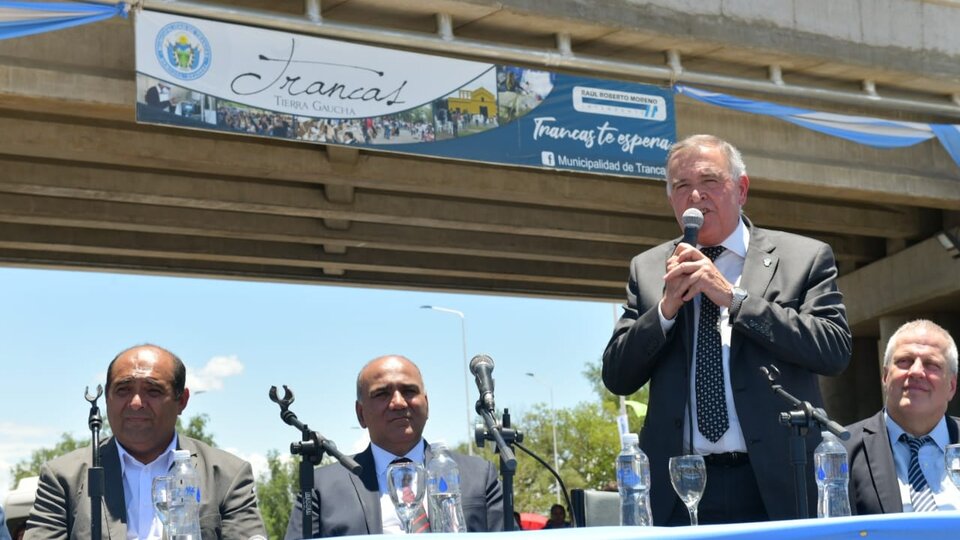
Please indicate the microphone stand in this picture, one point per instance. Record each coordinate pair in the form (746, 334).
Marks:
(504, 437)
(803, 416)
(95, 472)
(311, 448)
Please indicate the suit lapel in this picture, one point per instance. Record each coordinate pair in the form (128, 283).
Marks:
(114, 502)
(876, 446)
(368, 491)
(759, 267)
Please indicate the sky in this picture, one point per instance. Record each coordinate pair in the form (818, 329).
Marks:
(60, 329)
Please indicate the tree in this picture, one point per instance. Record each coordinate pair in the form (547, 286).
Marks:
(636, 402)
(277, 489)
(587, 443)
(31, 467)
(196, 428)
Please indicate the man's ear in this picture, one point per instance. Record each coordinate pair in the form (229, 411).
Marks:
(359, 410)
(184, 398)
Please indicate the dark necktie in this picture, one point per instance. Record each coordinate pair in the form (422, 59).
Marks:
(712, 420)
(920, 495)
(419, 523)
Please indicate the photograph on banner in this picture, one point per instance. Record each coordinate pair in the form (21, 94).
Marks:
(210, 75)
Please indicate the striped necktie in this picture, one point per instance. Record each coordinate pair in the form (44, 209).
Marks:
(712, 419)
(420, 523)
(921, 497)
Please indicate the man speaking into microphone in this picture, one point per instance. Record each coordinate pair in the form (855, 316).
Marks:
(702, 316)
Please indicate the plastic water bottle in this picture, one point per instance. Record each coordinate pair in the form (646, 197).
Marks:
(830, 464)
(633, 479)
(443, 491)
(184, 517)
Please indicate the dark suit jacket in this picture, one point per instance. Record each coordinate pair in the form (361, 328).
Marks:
(873, 487)
(793, 318)
(346, 504)
(228, 503)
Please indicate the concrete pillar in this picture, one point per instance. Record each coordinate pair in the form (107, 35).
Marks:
(854, 394)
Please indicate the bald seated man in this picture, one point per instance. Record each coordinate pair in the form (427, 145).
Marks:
(146, 392)
(392, 406)
(919, 380)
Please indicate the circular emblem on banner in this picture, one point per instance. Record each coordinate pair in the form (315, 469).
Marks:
(183, 51)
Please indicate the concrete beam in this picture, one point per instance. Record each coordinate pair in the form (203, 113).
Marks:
(116, 216)
(230, 251)
(922, 273)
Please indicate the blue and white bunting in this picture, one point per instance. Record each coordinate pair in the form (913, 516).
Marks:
(18, 19)
(875, 132)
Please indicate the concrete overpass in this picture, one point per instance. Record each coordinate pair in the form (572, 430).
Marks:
(83, 186)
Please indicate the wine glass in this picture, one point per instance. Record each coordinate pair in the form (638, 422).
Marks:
(406, 484)
(688, 474)
(951, 459)
(162, 492)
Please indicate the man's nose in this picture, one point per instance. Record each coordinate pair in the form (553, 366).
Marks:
(135, 402)
(695, 195)
(916, 368)
(397, 401)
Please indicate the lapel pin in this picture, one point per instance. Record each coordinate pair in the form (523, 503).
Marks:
(767, 261)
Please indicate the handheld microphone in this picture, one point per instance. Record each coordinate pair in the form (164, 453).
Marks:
(692, 221)
(482, 367)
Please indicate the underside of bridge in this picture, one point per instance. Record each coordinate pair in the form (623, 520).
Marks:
(82, 185)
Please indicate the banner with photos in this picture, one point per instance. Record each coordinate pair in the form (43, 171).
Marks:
(211, 75)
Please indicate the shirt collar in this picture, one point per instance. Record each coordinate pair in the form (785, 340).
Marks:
(126, 458)
(382, 458)
(939, 433)
(738, 240)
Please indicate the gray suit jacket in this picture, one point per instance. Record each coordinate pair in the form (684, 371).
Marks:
(793, 318)
(874, 488)
(228, 503)
(346, 504)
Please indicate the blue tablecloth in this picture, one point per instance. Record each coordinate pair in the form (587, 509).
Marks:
(928, 526)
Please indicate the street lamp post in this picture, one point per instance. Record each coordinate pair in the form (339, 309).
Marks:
(553, 411)
(466, 383)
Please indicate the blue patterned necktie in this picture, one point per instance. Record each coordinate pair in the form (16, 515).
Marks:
(921, 497)
(712, 419)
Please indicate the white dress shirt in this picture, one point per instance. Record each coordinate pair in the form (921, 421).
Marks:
(142, 521)
(946, 495)
(381, 459)
(730, 264)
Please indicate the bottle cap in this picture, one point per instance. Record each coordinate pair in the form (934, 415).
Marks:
(631, 438)
(179, 455)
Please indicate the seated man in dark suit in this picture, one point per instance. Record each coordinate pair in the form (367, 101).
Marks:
(392, 406)
(896, 455)
(145, 394)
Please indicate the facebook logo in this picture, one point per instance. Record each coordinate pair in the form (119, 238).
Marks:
(547, 158)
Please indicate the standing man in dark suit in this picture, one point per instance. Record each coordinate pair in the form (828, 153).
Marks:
(145, 394)
(699, 323)
(392, 406)
(896, 455)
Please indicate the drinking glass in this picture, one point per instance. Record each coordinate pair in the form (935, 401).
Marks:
(162, 491)
(406, 484)
(951, 458)
(688, 474)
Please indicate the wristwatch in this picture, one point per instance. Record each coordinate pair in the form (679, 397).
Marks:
(739, 295)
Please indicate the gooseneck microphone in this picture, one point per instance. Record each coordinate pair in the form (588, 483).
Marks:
(692, 221)
(482, 368)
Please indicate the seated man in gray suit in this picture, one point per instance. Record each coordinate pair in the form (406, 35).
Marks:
(392, 406)
(896, 455)
(145, 395)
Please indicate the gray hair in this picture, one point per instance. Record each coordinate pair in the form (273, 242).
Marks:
(923, 326)
(730, 152)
